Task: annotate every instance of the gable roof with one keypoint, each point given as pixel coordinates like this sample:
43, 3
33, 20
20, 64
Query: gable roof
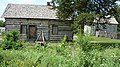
29, 11
111, 20
37, 12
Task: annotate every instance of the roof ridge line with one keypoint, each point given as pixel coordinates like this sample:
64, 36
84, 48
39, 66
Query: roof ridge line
26, 4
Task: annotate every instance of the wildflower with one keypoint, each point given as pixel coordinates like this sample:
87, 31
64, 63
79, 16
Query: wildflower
102, 64
103, 59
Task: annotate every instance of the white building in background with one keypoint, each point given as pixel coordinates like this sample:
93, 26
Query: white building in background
110, 26
2, 29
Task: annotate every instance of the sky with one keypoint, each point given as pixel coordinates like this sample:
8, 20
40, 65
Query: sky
3, 3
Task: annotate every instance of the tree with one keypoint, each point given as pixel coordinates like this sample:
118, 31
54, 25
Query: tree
71, 9
83, 19
2, 24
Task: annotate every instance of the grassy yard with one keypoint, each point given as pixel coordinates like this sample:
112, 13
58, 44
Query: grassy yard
64, 54
105, 40
54, 55
103, 52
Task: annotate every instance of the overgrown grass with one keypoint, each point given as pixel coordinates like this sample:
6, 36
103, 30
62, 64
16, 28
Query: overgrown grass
104, 39
55, 55
105, 42
79, 53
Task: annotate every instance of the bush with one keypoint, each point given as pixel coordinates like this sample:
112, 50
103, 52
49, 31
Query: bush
83, 41
69, 56
64, 41
1, 58
79, 54
11, 40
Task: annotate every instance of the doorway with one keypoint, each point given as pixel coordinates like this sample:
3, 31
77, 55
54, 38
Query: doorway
32, 32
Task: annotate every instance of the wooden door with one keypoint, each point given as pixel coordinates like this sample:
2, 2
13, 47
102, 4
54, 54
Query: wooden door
32, 31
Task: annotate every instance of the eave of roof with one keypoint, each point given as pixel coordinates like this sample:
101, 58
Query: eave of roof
29, 11
111, 20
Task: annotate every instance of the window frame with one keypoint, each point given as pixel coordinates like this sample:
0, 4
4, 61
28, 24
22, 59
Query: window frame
21, 27
56, 28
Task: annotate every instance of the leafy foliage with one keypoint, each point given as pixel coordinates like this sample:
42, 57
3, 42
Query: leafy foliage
11, 40
69, 8
82, 9
1, 58
83, 19
79, 53
83, 41
72, 56
2, 24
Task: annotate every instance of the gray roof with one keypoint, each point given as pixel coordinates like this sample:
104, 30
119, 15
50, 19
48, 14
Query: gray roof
111, 20
29, 11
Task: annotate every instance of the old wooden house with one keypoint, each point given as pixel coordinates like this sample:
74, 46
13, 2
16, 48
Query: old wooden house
33, 21
105, 27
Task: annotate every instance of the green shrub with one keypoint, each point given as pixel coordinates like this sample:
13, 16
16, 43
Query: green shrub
82, 41
1, 58
11, 40
71, 56
64, 41
63, 54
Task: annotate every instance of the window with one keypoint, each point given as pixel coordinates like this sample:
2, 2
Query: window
54, 29
23, 29
104, 26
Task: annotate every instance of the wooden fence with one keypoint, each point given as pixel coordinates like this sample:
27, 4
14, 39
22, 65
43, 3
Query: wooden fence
107, 34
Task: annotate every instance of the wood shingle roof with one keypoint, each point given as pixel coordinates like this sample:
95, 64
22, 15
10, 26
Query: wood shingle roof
29, 11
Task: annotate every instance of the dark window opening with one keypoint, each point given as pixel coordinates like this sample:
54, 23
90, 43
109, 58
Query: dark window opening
104, 26
54, 29
23, 29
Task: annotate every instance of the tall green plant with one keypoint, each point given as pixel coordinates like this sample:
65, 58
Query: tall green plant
11, 40
83, 40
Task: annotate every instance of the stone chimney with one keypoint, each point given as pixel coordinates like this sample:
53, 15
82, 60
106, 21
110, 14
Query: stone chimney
48, 4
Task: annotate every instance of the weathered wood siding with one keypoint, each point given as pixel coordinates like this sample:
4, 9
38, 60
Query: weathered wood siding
14, 24
106, 34
44, 26
63, 29
108, 28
